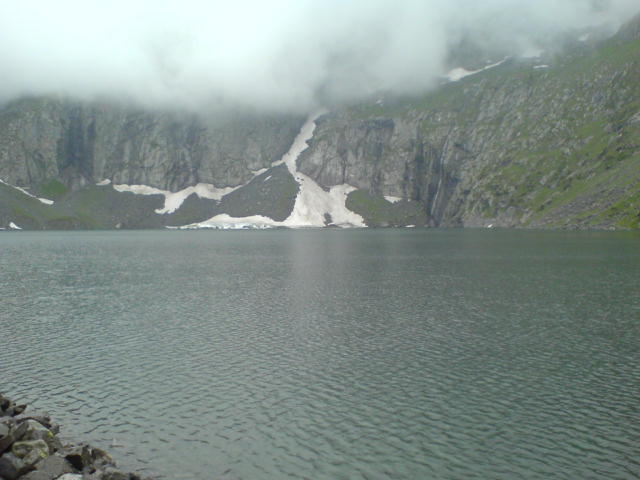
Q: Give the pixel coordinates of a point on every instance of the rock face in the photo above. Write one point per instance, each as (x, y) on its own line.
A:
(83, 143)
(522, 144)
(30, 450)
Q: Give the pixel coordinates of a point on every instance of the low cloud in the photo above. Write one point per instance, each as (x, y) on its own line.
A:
(277, 55)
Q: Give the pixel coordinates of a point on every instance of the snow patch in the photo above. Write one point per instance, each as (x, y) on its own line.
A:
(267, 178)
(584, 38)
(259, 172)
(459, 73)
(539, 67)
(299, 144)
(173, 200)
(226, 222)
(46, 201)
(104, 182)
(313, 204)
(13, 226)
(391, 199)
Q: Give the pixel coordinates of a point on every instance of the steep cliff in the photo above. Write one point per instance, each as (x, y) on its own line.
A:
(522, 144)
(81, 144)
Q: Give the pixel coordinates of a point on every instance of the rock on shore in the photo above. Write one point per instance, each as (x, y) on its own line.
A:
(31, 450)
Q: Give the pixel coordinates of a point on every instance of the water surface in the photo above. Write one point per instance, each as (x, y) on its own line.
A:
(330, 354)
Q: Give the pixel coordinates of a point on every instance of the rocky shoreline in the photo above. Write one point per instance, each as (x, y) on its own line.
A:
(31, 450)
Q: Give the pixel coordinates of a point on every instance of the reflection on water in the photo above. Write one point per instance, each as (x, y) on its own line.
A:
(332, 354)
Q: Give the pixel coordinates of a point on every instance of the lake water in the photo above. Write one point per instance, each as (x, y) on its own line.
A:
(332, 354)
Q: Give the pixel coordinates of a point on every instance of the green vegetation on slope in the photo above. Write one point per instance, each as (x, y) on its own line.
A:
(551, 147)
(378, 212)
(29, 213)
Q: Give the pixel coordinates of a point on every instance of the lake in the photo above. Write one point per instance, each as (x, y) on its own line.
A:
(331, 354)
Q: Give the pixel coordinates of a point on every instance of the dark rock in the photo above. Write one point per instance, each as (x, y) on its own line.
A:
(37, 475)
(78, 456)
(4, 430)
(16, 431)
(113, 474)
(18, 409)
(87, 458)
(4, 403)
(100, 458)
(49, 469)
(11, 467)
(42, 418)
(8, 408)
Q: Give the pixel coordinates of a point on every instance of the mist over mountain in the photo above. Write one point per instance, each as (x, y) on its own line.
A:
(278, 56)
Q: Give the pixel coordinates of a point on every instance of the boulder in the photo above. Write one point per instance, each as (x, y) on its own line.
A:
(8, 408)
(11, 467)
(42, 418)
(87, 458)
(30, 449)
(49, 468)
(111, 473)
(15, 433)
(36, 431)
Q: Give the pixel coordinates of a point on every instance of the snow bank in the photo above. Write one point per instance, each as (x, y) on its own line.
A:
(42, 200)
(313, 204)
(173, 200)
(459, 73)
(226, 222)
(13, 226)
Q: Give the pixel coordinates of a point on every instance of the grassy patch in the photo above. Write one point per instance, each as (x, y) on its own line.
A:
(52, 189)
(378, 212)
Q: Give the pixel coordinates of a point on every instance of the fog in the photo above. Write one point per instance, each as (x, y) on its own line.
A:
(276, 55)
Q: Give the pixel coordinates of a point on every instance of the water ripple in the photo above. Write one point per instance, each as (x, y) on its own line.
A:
(331, 354)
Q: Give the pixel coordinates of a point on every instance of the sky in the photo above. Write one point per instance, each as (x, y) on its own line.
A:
(272, 55)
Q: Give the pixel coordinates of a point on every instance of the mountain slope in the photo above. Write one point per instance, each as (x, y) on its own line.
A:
(517, 145)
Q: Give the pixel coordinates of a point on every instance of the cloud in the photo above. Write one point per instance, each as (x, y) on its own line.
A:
(277, 55)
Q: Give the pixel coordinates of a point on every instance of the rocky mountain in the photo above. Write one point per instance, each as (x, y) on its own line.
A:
(554, 144)
(550, 142)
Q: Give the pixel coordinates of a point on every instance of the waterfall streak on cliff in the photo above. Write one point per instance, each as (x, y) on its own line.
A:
(441, 174)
